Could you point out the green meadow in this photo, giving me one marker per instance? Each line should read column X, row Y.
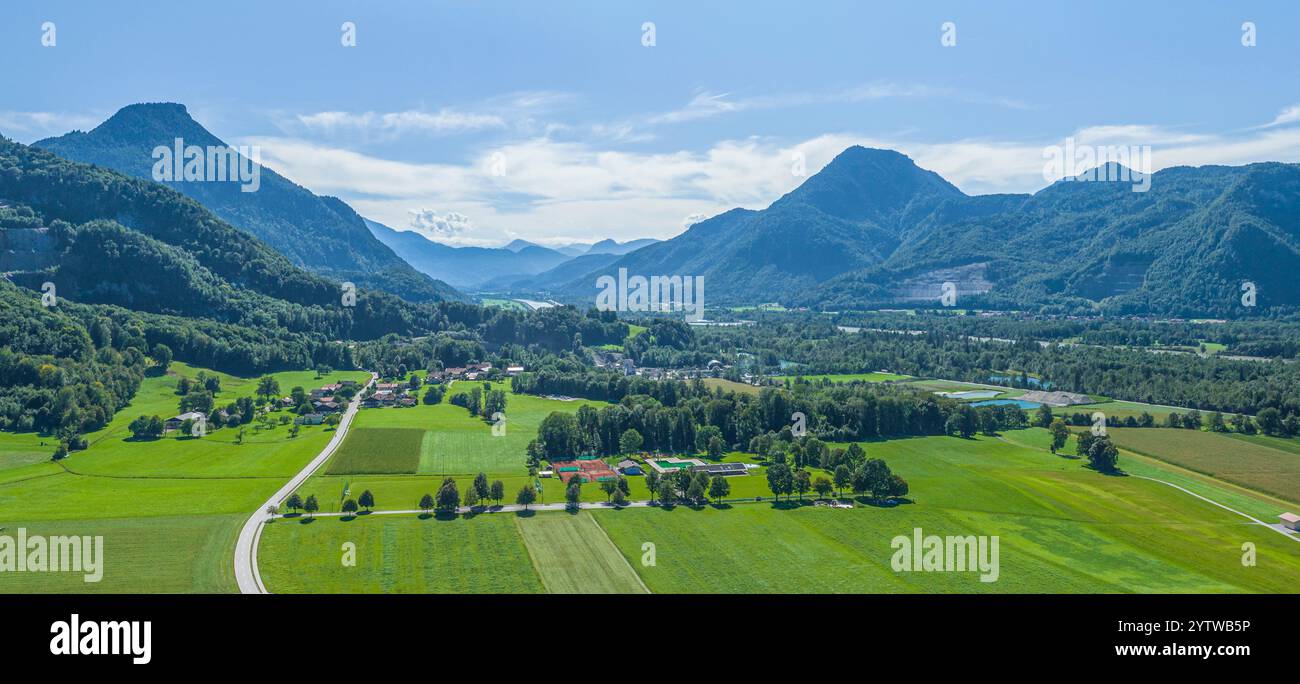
column 1265, row 464
column 1061, row 528
column 379, row 450
column 169, row 509
column 397, row 554
column 847, row 377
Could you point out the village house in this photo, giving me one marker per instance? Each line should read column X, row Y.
column 175, row 422
column 310, row 419
column 326, row 390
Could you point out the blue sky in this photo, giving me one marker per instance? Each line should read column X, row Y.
column 478, row 121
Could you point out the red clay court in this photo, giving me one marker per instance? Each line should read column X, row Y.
column 591, row 470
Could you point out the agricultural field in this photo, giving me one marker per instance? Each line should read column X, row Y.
column 573, row 556
column 378, row 450
column 437, row 441
column 397, row 554
column 1062, row 528
column 730, row 385
column 503, row 303
column 169, row 509
column 1253, row 462
column 847, row 377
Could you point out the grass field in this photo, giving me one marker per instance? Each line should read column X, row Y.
column 1061, row 527
column 397, row 554
column 462, row 444
column 572, row 555
column 378, row 450
column 169, row 509
column 730, row 386
column 1253, row 462
column 848, row 377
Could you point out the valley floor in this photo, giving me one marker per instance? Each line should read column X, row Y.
column 1061, row 528
column 170, row 509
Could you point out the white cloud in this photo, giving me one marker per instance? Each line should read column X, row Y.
column 439, row 226
column 32, row 126
column 706, row 104
column 692, row 220
column 398, row 123
column 1288, row 115
column 557, row 191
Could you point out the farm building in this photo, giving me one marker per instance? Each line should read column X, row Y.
column 175, row 422
column 1290, row 521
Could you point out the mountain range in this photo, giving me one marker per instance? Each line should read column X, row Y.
column 499, row 268
column 321, row 234
column 871, row 229
column 874, row 229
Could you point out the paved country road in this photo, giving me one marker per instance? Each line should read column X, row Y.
column 246, row 574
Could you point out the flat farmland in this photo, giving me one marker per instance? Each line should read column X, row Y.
column 169, row 509
column 462, row 444
column 397, row 554
column 573, row 556
column 160, row 554
column 848, row 377
column 379, row 451
column 1061, row 528
column 1248, row 461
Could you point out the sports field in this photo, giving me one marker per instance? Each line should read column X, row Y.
column 169, row 509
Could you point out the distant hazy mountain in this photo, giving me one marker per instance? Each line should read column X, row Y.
column 553, row 279
column 873, row 229
column 616, row 247
column 467, row 267
column 517, row 245
column 321, row 234
column 574, row 249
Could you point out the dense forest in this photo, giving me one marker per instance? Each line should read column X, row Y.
column 63, row 371
column 814, row 345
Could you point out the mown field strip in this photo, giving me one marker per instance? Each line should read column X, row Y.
column 573, row 555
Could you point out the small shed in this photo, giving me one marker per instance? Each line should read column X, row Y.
column 1290, row 521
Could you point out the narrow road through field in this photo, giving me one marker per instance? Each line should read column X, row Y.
column 507, row 508
column 246, row 574
column 1275, row 527
column 1272, row 526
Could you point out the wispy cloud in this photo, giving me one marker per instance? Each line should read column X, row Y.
column 707, row 104
column 398, row 123
column 1288, row 115
column 31, row 126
